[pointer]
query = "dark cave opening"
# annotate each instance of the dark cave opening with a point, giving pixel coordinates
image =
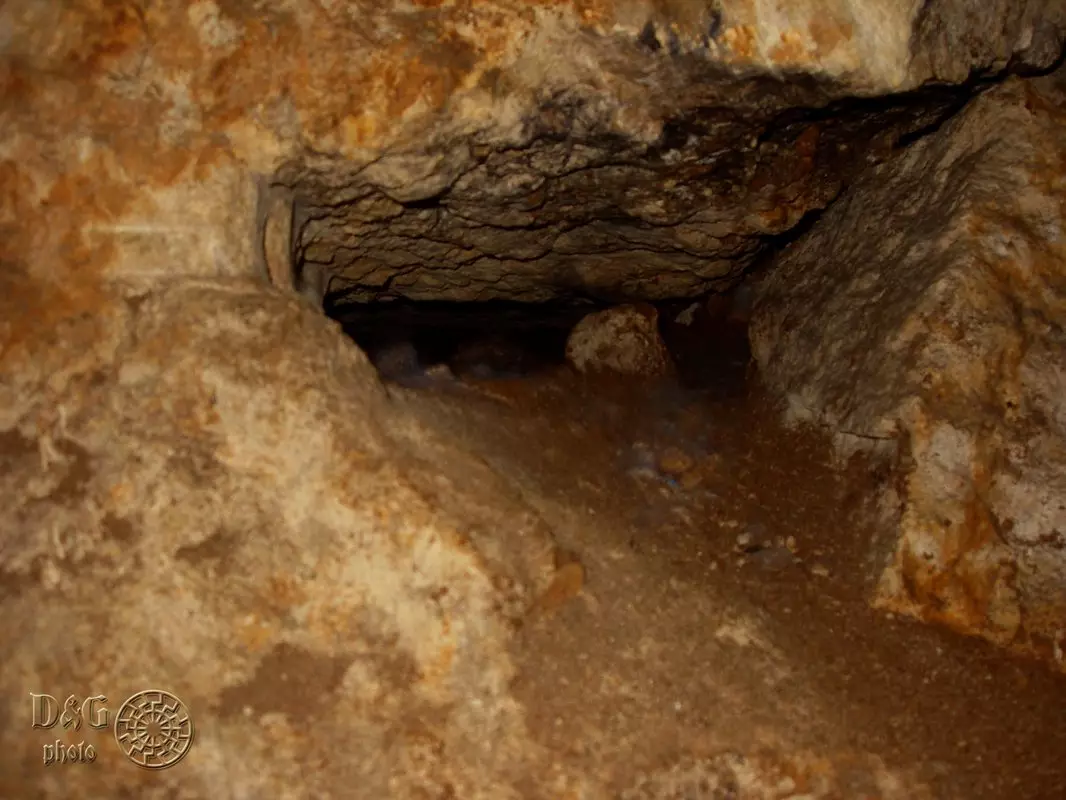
(484, 278)
(412, 341)
(474, 340)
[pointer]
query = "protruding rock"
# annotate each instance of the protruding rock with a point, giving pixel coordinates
(928, 306)
(240, 491)
(623, 340)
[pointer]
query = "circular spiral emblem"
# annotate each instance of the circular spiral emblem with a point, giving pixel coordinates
(153, 729)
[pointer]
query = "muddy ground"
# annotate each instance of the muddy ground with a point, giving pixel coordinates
(726, 564)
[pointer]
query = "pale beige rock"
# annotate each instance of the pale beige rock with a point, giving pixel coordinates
(623, 340)
(220, 502)
(928, 307)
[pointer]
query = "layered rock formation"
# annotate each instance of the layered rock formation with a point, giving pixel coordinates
(518, 150)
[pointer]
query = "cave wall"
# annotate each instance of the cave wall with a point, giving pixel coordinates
(158, 396)
(159, 116)
(925, 313)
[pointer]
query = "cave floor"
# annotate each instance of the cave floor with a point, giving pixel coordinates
(690, 638)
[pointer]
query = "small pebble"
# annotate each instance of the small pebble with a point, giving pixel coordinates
(743, 540)
(675, 462)
(819, 571)
(440, 372)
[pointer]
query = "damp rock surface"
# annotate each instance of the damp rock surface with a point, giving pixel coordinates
(928, 306)
(720, 638)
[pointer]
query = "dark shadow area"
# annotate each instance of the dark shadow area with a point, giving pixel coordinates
(708, 340)
(483, 341)
(408, 341)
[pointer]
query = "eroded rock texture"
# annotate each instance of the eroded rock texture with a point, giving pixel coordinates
(623, 340)
(514, 149)
(203, 486)
(929, 305)
(211, 507)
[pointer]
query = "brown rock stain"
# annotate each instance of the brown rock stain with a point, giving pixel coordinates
(828, 34)
(567, 583)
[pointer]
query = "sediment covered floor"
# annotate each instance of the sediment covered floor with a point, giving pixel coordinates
(727, 564)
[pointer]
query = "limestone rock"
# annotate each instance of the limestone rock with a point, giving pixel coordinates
(203, 486)
(929, 305)
(515, 149)
(219, 501)
(624, 340)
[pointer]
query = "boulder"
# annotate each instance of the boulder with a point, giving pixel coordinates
(216, 499)
(623, 340)
(925, 314)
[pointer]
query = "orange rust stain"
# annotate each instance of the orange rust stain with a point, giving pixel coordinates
(283, 592)
(441, 666)
(80, 191)
(957, 589)
(790, 50)
(255, 635)
(101, 34)
(740, 40)
(407, 82)
(829, 33)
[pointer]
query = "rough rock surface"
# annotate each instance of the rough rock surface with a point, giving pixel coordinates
(203, 485)
(928, 307)
(332, 587)
(204, 507)
(624, 339)
(514, 149)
